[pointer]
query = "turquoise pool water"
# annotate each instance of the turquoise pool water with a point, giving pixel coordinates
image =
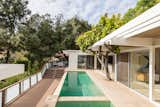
(84, 104)
(79, 84)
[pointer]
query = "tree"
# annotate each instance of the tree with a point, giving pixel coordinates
(43, 36)
(142, 5)
(39, 38)
(12, 13)
(71, 29)
(105, 26)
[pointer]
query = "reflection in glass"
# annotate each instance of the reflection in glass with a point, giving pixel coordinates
(86, 62)
(139, 72)
(156, 85)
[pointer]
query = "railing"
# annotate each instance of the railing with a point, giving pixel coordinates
(10, 93)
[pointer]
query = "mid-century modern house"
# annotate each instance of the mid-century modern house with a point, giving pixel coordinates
(79, 59)
(138, 64)
(82, 60)
(136, 67)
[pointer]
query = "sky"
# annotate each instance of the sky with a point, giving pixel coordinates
(90, 10)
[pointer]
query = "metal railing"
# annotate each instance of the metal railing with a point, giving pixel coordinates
(10, 93)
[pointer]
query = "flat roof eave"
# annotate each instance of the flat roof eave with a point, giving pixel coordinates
(147, 21)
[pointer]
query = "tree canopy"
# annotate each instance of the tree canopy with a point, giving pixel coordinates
(71, 29)
(107, 24)
(33, 39)
(142, 5)
(43, 36)
(38, 37)
(12, 14)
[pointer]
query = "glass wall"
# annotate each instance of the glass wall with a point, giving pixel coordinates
(111, 66)
(86, 62)
(122, 74)
(156, 85)
(139, 72)
(99, 64)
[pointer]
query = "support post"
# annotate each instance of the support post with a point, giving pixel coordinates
(30, 82)
(20, 88)
(102, 64)
(37, 77)
(151, 71)
(95, 62)
(4, 98)
(115, 67)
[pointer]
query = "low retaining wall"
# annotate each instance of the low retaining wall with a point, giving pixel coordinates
(9, 70)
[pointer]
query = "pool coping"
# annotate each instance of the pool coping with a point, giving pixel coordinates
(52, 99)
(58, 89)
(83, 98)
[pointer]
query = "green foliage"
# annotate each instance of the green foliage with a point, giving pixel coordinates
(38, 38)
(33, 40)
(23, 61)
(105, 26)
(142, 5)
(43, 36)
(70, 30)
(12, 13)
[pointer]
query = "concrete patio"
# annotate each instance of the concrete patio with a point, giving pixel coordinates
(117, 93)
(120, 95)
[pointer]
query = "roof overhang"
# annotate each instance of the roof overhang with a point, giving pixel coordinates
(143, 31)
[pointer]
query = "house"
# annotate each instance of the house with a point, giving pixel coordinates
(78, 59)
(138, 64)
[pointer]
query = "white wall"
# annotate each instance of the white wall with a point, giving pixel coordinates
(73, 60)
(73, 57)
(9, 70)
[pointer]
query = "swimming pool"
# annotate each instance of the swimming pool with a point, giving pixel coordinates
(84, 104)
(79, 84)
(79, 90)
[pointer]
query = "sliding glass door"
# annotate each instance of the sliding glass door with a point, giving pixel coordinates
(139, 71)
(156, 85)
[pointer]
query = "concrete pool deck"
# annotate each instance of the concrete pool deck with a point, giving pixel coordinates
(118, 94)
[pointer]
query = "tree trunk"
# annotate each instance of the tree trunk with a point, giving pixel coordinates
(7, 56)
(106, 67)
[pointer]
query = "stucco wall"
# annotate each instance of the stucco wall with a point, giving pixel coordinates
(9, 70)
(73, 57)
(73, 60)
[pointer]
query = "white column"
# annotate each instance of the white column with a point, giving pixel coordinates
(115, 67)
(102, 64)
(151, 71)
(95, 62)
(73, 61)
(129, 69)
